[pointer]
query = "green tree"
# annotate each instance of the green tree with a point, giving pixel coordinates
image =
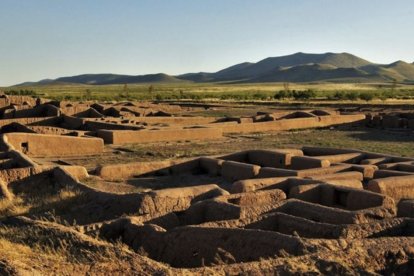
(394, 85)
(366, 96)
(125, 90)
(88, 94)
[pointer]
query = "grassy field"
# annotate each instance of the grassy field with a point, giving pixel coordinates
(217, 91)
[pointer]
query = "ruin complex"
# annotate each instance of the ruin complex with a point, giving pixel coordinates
(237, 212)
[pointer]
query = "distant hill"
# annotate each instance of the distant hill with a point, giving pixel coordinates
(118, 79)
(298, 67)
(263, 67)
(102, 79)
(309, 73)
(197, 77)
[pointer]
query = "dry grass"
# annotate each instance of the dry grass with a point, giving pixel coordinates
(31, 250)
(37, 203)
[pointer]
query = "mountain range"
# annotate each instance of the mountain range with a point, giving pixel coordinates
(298, 67)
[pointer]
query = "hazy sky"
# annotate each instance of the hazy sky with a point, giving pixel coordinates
(52, 38)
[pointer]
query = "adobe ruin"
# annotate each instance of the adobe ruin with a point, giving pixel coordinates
(228, 212)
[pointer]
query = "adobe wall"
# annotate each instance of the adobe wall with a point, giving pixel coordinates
(390, 173)
(406, 208)
(17, 100)
(96, 125)
(249, 185)
(278, 158)
(233, 171)
(70, 109)
(287, 224)
(307, 192)
(148, 136)
(209, 211)
(340, 176)
(344, 157)
(49, 130)
(45, 110)
(251, 205)
(405, 167)
(351, 179)
(394, 120)
(212, 166)
(393, 165)
(16, 127)
(376, 161)
(318, 151)
(190, 246)
(372, 157)
(42, 145)
(397, 187)
(11, 175)
(89, 113)
(321, 213)
(182, 244)
(164, 201)
(298, 114)
(124, 171)
(20, 158)
(15, 175)
(305, 162)
(271, 158)
(72, 122)
(24, 121)
(176, 120)
(367, 170)
(296, 123)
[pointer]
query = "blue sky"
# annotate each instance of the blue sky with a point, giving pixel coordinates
(52, 38)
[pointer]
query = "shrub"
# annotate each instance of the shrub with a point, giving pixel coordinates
(352, 96)
(283, 94)
(259, 96)
(158, 97)
(304, 94)
(339, 95)
(21, 92)
(366, 96)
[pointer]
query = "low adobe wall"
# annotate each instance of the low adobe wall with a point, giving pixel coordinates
(176, 120)
(72, 122)
(42, 145)
(320, 213)
(17, 100)
(24, 121)
(190, 246)
(14, 175)
(96, 125)
(233, 171)
(148, 136)
(278, 158)
(397, 187)
(164, 201)
(49, 130)
(45, 110)
(124, 171)
(287, 224)
(339, 196)
(296, 123)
